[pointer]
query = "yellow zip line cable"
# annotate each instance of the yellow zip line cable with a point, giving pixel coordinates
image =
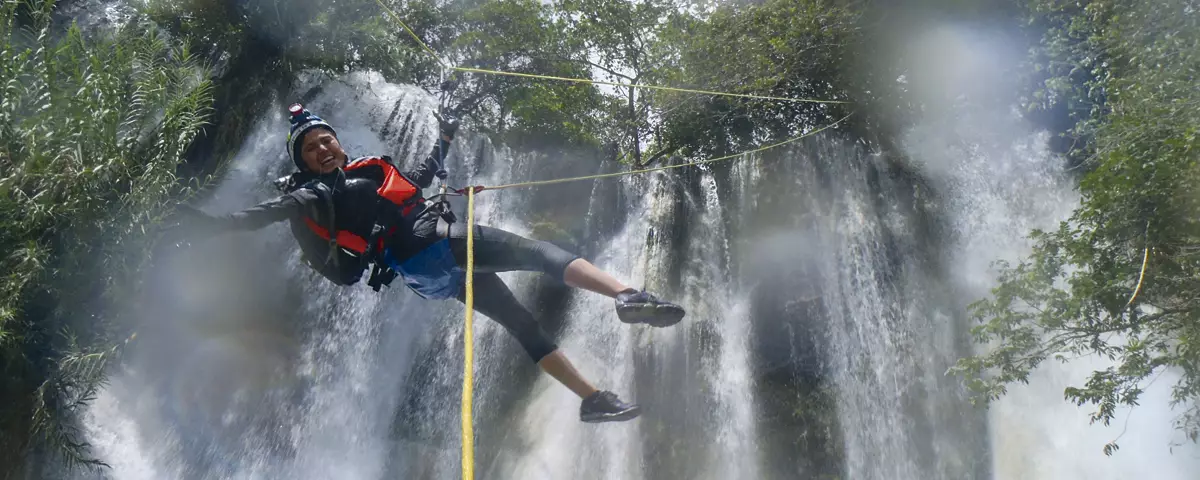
(444, 65)
(656, 169)
(1141, 278)
(413, 34)
(636, 85)
(468, 429)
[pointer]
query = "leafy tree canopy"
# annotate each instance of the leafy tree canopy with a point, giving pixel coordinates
(1119, 278)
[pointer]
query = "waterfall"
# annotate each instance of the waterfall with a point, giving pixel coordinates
(996, 181)
(824, 308)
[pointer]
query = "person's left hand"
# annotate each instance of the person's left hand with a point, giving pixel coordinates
(183, 227)
(447, 125)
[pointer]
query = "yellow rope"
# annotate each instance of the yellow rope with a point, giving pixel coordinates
(1141, 278)
(468, 430)
(412, 33)
(638, 85)
(435, 56)
(668, 167)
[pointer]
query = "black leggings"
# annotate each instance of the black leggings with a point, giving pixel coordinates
(500, 251)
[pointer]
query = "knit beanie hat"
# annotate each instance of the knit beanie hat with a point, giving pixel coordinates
(302, 122)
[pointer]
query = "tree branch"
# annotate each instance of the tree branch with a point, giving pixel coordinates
(663, 152)
(470, 103)
(594, 65)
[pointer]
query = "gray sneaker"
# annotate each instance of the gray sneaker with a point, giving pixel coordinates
(642, 307)
(604, 406)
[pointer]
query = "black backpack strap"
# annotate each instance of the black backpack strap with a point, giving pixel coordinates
(324, 196)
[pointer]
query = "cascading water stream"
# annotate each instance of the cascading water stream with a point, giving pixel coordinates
(811, 262)
(996, 180)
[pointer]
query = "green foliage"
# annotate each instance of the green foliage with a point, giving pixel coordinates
(1069, 68)
(520, 36)
(90, 135)
(1084, 290)
(623, 42)
(258, 47)
(343, 35)
(287, 36)
(782, 48)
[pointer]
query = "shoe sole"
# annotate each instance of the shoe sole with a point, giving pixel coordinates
(653, 315)
(628, 414)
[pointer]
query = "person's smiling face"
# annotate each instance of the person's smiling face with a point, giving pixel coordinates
(321, 151)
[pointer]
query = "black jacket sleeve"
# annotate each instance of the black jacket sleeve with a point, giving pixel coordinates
(426, 170)
(261, 215)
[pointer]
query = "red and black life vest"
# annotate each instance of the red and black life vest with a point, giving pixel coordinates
(345, 228)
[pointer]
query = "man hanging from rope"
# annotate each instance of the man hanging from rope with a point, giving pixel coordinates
(348, 215)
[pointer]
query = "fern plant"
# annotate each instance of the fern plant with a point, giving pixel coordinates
(91, 134)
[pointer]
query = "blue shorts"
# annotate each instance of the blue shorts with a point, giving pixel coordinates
(432, 273)
(437, 273)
